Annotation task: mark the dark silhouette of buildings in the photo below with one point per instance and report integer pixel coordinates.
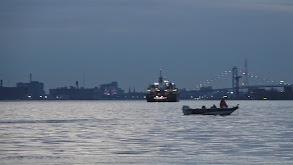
(111, 89)
(106, 91)
(33, 90)
(13, 93)
(74, 93)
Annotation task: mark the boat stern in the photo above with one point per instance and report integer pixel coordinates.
(186, 110)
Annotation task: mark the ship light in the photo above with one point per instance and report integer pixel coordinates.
(165, 90)
(148, 90)
(174, 90)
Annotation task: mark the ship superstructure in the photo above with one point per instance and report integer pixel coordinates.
(162, 91)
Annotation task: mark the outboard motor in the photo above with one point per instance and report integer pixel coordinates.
(186, 110)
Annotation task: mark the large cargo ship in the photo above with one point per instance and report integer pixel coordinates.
(162, 91)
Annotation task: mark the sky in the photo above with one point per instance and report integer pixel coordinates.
(129, 41)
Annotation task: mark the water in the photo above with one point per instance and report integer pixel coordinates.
(137, 132)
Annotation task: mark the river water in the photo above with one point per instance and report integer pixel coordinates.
(137, 132)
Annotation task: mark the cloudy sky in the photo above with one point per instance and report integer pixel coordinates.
(62, 41)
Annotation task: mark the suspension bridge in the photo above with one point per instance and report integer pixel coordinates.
(241, 79)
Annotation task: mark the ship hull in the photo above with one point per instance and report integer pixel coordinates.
(163, 98)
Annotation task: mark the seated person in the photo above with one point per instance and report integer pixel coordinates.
(223, 104)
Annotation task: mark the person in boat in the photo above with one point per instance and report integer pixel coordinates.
(214, 106)
(223, 103)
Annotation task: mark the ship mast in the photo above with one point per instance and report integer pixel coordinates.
(160, 78)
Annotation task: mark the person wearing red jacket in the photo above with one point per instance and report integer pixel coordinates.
(223, 103)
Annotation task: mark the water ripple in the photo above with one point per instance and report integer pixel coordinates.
(136, 132)
(47, 121)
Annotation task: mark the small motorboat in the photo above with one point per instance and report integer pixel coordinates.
(208, 111)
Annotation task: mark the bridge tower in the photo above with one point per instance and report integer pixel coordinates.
(235, 80)
(246, 73)
(234, 75)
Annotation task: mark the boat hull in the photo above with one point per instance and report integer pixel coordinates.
(209, 111)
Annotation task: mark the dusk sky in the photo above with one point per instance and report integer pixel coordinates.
(129, 41)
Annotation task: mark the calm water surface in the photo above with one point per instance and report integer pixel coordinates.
(137, 132)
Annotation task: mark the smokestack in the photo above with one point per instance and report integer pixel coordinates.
(30, 77)
(1, 83)
(76, 84)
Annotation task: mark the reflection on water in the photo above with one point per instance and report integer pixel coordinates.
(137, 132)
